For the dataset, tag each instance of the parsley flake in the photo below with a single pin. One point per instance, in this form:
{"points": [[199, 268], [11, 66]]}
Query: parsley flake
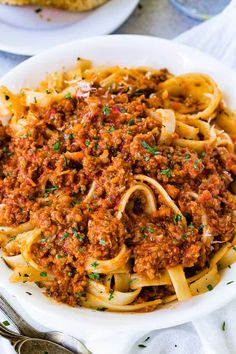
{"points": [[102, 242], [166, 172], [6, 323], [94, 264], [56, 146], [94, 276], [177, 218], [209, 287], [43, 274], [111, 296], [151, 149], [106, 110]]}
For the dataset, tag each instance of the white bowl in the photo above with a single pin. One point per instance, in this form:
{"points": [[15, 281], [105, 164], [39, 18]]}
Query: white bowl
{"points": [[89, 325]]}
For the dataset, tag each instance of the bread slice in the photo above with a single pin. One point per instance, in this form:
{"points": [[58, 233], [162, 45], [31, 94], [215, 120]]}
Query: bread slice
{"points": [[71, 5]]}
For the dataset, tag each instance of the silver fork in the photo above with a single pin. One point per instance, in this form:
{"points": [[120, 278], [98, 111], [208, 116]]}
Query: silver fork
{"points": [[26, 330]]}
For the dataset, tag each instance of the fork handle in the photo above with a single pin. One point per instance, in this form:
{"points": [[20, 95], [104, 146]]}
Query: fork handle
{"points": [[24, 328]]}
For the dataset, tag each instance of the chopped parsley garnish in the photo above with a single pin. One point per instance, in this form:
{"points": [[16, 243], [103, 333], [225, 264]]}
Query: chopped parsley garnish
{"points": [[111, 296], [58, 256], [106, 110], [187, 156], [142, 346], [56, 146], [27, 292], [38, 10], [145, 340], [11, 239], [111, 129], [196, 163], [223, 326], [230, 282], [166, 172], [102, 242], [234, 248], [35, 100], [70, 274], [68, 96], [6, 323], [43, 274], [191, 226], [80, 293], [209, 287], [201, 227], [4, 149], [203, 154], [7, 97], [177, 218], [65, 159], [65, 235], [76, 201], [24, 136], [146, 158], [94, 264], [184, 237], [101, 309], [48, 190], [87, 142], [152, 150], [138, 93], [94, 276], [131, 122], [79, 237], [71, 136]]}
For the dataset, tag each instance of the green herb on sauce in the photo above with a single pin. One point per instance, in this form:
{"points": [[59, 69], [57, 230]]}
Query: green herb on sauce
{"points": [[70, 274], [106, 110], [71, 136], [80, 293], [152, 150], [102, 242], [187, 156], [48, 190], [131, 122], [166, 172], [111, 129], [177, 218], [56, 146], [65, 235], [196, 163], [68, 96], [58, 256], [79, 237], [87, 142], [209, 287]]}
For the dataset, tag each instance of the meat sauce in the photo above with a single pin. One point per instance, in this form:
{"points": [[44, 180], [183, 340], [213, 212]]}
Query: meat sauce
{"points": [[46, 175]]}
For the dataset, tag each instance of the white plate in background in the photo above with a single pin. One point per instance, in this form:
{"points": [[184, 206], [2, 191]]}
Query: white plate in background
{"points": [[28, 30]]}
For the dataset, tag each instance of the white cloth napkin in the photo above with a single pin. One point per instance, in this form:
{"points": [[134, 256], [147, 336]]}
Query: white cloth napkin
{"points": [[216, 37]]}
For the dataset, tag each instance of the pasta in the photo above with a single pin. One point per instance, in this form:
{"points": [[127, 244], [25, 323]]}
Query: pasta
{"points": [[118, 186]]}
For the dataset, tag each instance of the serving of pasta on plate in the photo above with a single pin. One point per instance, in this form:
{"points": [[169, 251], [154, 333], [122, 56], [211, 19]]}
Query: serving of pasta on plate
{"points": [[118, 186]]}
